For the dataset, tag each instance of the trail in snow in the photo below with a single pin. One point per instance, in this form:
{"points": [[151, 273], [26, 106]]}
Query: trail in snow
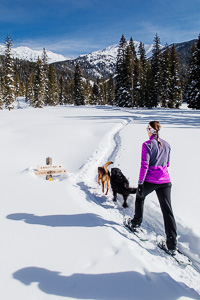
{"points": [[86, 179], [106, 151]]}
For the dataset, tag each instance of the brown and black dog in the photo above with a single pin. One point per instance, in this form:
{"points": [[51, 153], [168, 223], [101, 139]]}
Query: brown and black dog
{"points": [[120, 185], [104, 176]]}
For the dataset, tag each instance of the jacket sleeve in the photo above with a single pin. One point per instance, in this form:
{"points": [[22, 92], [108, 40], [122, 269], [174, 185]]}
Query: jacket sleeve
{"points": [[168, 161], [144, 164]]}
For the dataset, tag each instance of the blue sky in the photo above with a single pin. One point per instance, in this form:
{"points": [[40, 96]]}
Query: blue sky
{"points": [[74, 27]]}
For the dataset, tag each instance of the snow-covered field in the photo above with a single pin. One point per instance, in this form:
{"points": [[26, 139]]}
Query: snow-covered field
{"points": [[64, 238]]}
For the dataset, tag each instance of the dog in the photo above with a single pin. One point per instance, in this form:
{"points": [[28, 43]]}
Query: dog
{"points": [[120, 185], [104, 176]]}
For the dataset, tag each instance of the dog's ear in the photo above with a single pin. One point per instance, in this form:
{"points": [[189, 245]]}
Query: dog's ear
{"points": [[99, 169], [115, 170]]}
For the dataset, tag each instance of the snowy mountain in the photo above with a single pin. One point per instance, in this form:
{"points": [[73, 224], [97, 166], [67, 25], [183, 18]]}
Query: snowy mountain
{"points": [[104, 60], [26, 53], [110, 53], [100, 63]]}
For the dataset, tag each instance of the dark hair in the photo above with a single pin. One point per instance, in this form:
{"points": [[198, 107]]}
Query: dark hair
{"points": [[156, 126]]}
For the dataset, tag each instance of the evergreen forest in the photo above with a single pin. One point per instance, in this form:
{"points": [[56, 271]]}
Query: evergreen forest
{"points": [[138, 81]]}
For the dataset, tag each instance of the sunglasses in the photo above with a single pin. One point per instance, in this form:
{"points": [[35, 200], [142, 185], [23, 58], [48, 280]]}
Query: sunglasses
{"points": [[150, 129]]}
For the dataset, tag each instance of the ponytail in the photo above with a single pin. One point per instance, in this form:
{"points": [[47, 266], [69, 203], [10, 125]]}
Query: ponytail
{"points": [[157, 138], [156, 126]]}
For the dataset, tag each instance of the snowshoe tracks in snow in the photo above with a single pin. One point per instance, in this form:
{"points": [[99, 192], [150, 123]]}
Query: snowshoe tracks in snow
{"points": [[86, 179]]}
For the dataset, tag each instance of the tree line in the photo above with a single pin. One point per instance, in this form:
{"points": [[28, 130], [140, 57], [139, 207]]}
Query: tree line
{"points": [[138, 81], [37, 82], [142, 82], [193, 85]]}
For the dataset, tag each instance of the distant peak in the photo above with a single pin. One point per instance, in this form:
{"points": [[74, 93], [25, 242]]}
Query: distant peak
{"points": [[26, 53]]}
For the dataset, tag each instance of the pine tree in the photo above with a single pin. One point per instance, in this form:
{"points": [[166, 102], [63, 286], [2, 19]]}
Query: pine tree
{"points": [[120, 72], [142, 76], [52, 94], [79, 93], [110, 90], [9, 87], [44, 57], [193, 89], [1, 95], [45, 79], [156, 62], [126, 97], [175, 85], [70, 92], [17, 86], [149, 87], [134, 66], [22, 89], [101, 96], [126, 79], [39, 90], [62, 92], [190, 90], [166, 77], [136, 83], [88, 92], [95, 94], [30, 90], [133, 51]]}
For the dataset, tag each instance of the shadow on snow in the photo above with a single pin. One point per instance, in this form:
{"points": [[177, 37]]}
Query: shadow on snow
{"points": [[111, 286], [172, 117], [79, 220]]}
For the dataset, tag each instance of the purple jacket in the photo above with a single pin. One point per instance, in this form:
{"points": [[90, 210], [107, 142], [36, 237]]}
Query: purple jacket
{"points": [[154, 162]]}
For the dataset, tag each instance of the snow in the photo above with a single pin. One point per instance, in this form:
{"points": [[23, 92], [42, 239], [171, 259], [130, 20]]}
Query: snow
{"points": [[101, 61], [64, 239], [113, 50], [25, 53], [105, 59]]}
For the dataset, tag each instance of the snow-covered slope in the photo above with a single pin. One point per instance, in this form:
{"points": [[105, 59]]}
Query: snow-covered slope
{"points": [[26, 53], [97, 63], [103, 62], [110, 53], [64, 239]]}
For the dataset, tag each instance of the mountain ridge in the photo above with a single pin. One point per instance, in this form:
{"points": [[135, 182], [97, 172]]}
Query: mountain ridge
{"points": [[99, 63], [26, 53], [102, 63]]}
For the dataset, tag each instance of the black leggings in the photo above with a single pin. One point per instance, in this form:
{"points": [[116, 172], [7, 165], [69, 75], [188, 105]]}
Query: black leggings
{"points": [[163, 192]]}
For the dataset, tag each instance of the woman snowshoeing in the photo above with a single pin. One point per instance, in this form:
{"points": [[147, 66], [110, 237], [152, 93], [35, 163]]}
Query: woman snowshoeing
{"points": [[154, 176]]}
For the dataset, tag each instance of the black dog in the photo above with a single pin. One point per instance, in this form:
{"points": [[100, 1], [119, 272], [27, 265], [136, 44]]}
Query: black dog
{"points": [[120, 185]]}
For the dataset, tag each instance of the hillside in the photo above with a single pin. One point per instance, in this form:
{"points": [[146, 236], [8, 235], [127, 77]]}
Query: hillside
{"points": [[99, 63], [102, 63], [184, 51]]}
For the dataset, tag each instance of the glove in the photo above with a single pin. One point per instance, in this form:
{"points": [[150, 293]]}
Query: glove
{"points": [[140, 194]]}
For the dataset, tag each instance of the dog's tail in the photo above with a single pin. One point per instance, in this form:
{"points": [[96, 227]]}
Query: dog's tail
{"points": [[132, 190], [107, 164]]}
